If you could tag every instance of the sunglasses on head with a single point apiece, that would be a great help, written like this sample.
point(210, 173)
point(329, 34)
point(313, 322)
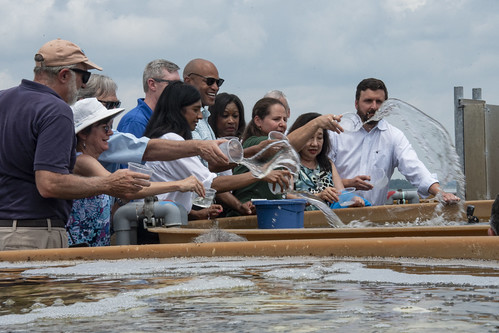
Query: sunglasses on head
point(110, 104)
point(210, 80)
point(85, 75)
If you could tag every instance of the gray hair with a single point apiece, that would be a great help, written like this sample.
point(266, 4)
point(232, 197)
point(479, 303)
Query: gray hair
point(277, 94)
point(98, 85)
point(155, 68)
point(51, 71)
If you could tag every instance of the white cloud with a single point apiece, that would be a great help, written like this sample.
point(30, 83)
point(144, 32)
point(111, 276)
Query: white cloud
point(315, 51)
point(399, 6)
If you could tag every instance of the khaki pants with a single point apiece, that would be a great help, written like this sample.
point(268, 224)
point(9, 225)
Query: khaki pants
point(16, 238)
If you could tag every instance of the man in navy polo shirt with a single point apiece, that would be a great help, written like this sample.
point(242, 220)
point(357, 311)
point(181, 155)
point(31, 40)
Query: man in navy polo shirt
point(37, 152)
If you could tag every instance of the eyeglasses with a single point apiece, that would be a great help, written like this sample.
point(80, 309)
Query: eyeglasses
point(106, 127)
point(85, 75)
point(163, 80)
point(210, 80)
point(110, 104)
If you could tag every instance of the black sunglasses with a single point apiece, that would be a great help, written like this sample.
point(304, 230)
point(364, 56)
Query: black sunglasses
point(210, 80)
point(110, 104)
point(85, 76)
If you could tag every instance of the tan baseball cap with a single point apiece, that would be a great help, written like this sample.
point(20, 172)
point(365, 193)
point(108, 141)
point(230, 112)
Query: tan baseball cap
point(61, 52)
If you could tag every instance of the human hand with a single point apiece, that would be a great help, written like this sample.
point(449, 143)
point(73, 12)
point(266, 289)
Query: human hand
point(330, 122)
point(442, 196)
point(357, 202)
point(206, 213)
point(279, 177)
point(359, 182)
point(192, 184)
point(329, 194)
point(447, 198)
point(264, 144)
point(211, 153)
point(124, 182)
point(247, 208)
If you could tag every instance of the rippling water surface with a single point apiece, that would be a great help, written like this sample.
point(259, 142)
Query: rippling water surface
point(301, 294)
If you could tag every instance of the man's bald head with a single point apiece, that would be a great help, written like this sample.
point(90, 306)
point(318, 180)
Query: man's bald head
point(203, 75)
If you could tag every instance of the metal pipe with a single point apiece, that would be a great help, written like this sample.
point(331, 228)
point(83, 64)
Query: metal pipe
point(406, 197)
point(127, 217)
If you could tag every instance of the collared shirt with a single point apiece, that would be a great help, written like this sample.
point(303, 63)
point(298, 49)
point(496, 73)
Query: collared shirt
point(385, 147)
point(203, 130)
point(123, 148)
point(36, 133)
point(135, 121)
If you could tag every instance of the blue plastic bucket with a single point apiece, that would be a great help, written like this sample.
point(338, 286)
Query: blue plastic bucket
point(280, 214)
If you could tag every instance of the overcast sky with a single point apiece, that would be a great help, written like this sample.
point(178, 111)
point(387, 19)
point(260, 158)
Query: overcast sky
point(314, 51)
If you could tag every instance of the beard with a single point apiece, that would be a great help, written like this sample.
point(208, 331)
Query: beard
point(365, 117)
point(72, 94)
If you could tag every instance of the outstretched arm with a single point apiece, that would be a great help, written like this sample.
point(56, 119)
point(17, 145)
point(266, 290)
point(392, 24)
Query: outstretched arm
point(300, 136)
point(88, 166)
point(167, 150)
point(68, 186)
point(233, 182)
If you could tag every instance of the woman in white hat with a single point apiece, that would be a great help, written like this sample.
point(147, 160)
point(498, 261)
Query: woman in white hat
point(90, 219)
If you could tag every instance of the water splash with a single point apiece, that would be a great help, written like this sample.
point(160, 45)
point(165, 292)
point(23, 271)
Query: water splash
point(331, 217)
point(280, 154)
point(428, 137)
point(277, 154)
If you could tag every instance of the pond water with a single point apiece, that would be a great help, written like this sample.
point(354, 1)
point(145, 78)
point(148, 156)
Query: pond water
point(291, 294)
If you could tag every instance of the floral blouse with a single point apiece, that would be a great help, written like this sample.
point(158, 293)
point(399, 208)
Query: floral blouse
point(90, 221)
point(313, 181)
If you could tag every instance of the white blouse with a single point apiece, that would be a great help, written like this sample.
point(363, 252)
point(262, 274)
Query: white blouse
point(165, 171)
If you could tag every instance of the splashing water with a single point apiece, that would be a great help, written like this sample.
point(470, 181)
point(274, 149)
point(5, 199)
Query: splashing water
point(331, 217)
point(428, 137)
point(278, 154)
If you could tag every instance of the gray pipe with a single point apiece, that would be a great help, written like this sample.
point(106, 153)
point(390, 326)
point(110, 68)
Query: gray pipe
point(406, 196)
point(125, 219)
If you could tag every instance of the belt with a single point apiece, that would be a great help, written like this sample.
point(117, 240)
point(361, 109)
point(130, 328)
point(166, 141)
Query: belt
point(33, 223)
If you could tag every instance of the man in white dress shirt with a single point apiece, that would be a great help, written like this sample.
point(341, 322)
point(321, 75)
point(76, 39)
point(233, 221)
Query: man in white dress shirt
point(379, 145)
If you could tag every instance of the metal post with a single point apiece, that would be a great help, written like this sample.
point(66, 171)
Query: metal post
point(459, 132)
point(477, 93)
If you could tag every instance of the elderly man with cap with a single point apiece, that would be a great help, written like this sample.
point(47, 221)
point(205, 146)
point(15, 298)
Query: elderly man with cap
point(37, 152)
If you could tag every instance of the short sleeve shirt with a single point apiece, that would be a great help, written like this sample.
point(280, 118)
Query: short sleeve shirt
point(36, 133)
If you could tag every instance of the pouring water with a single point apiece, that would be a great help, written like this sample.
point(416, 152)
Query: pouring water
point(280, 154)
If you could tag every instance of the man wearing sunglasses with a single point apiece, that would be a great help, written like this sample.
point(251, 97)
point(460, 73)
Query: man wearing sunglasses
point(157, 75)
point(37, 152)
point(203, 75)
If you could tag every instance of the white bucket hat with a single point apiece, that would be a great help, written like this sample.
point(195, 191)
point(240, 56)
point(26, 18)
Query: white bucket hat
point(88, 111)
